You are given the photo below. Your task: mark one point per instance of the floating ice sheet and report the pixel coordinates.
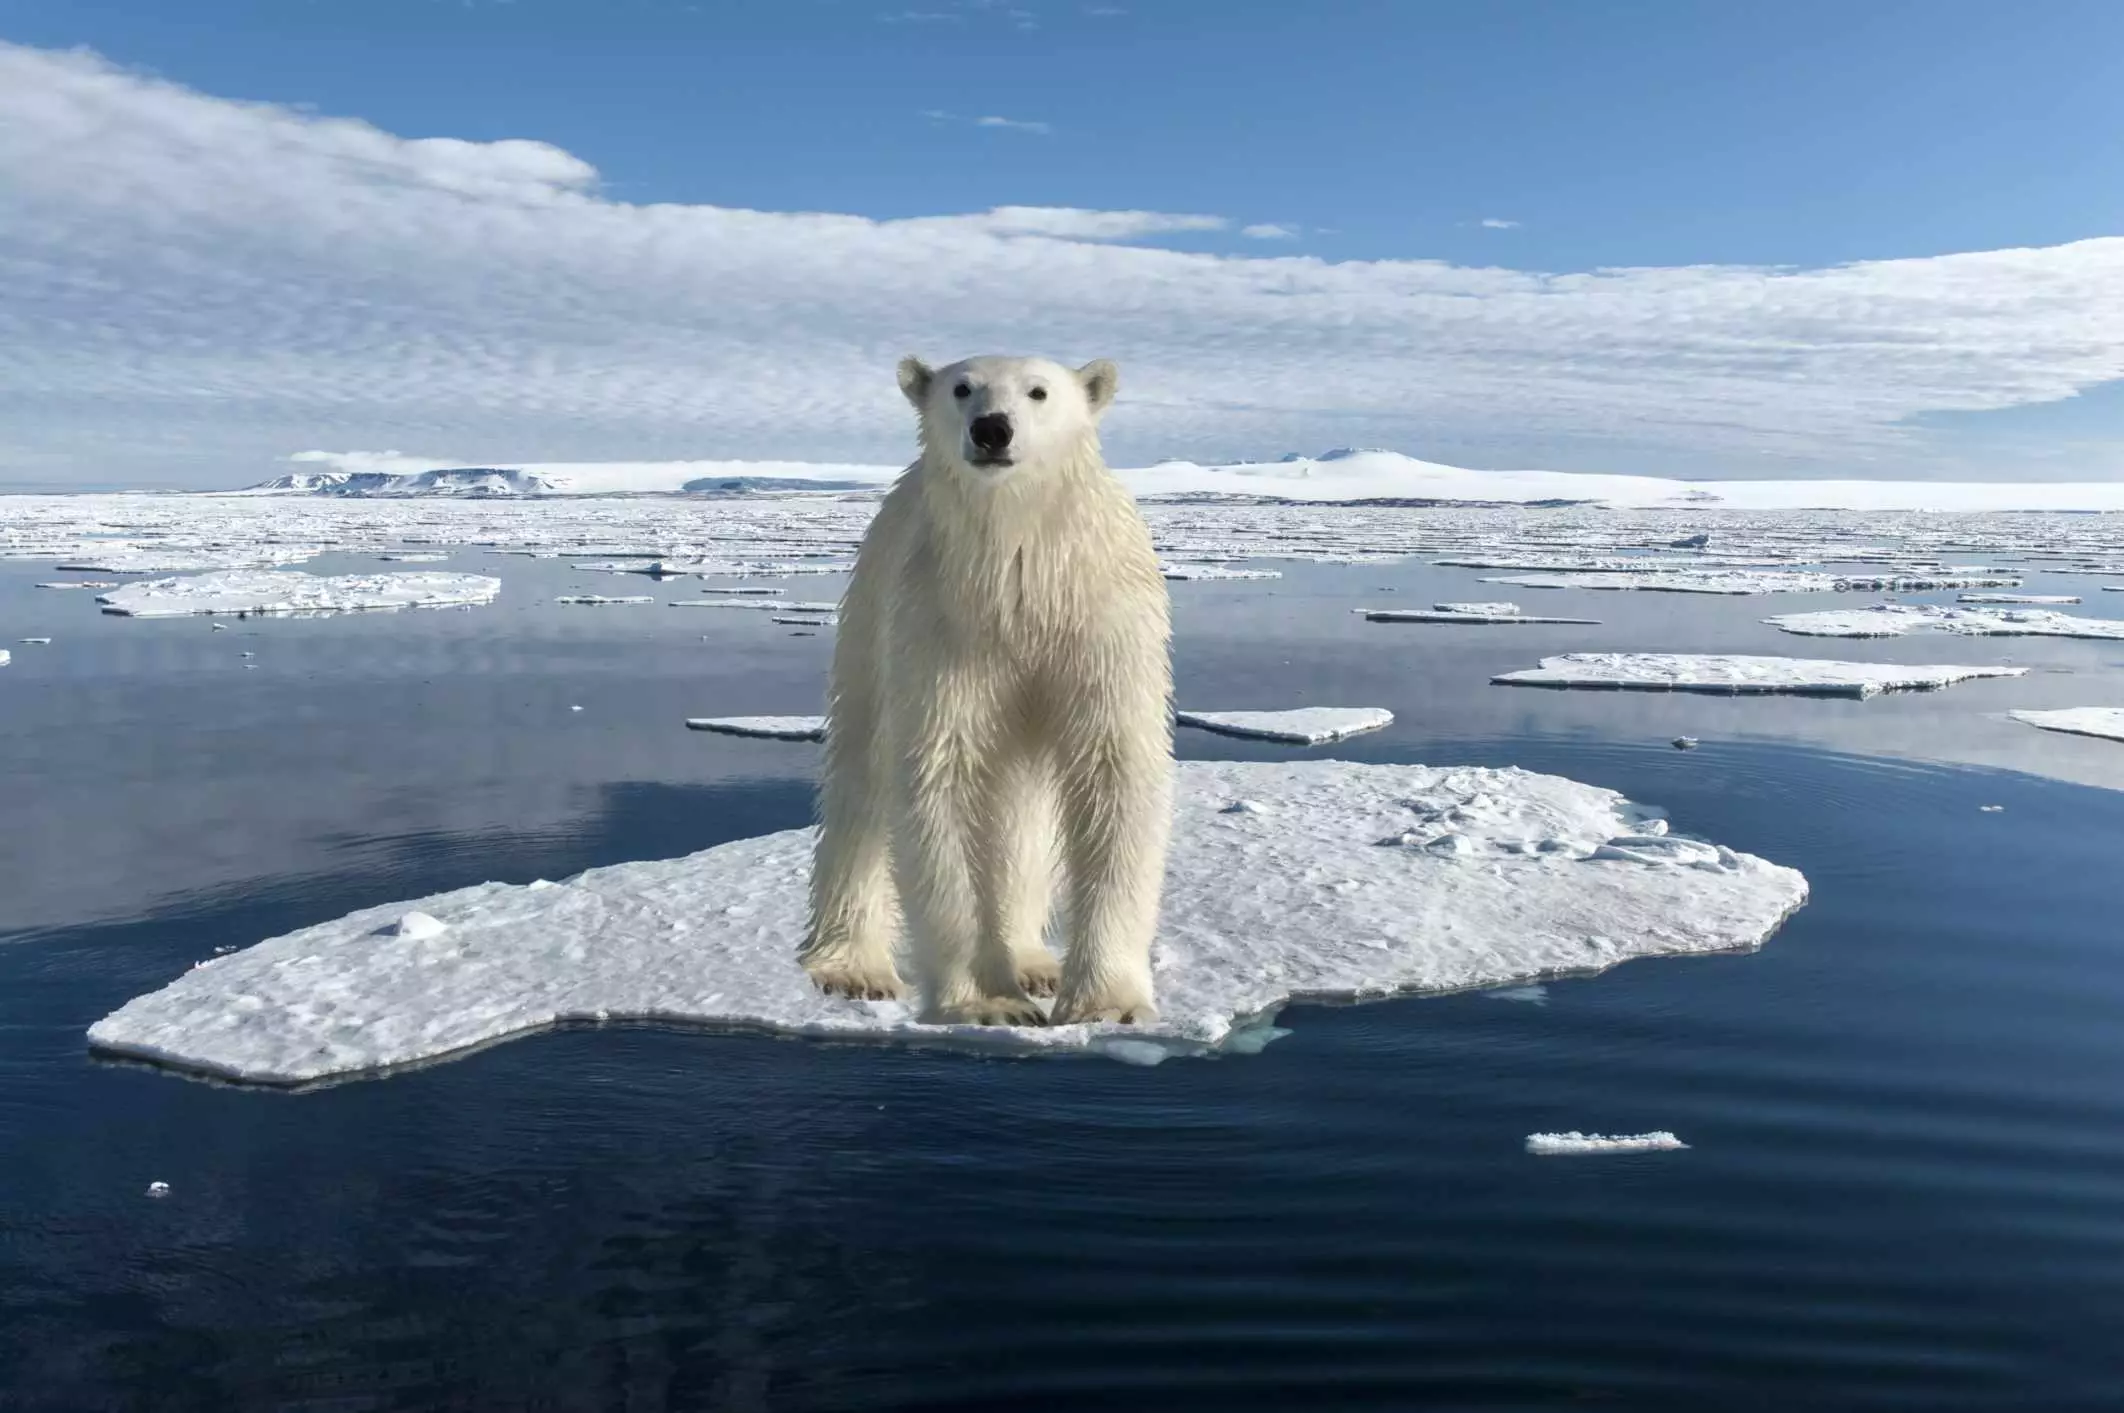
(288, 591)
(1741, 675)
(1307, 726)
(602, 600)
(2018, 598)
(1574, 1143)
(774, 728)
(1216, 571)
(1342, 885)
(1489, 613)
(2106, 722)
(1894, 620)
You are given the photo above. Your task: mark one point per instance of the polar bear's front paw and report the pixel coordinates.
(1039, 974)
(1094, 1010)
(990, 1010)
(857, 981)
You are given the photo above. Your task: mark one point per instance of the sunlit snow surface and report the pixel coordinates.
(270, 591)
(1741, 675)
(1345, 880)
(2105, 722)
(1305, 726)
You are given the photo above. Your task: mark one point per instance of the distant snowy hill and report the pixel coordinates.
(1348, 476)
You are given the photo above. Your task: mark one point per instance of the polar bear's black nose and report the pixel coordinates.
(990, 432)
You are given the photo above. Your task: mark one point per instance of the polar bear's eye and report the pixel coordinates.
(1038, 394)
(962, 390)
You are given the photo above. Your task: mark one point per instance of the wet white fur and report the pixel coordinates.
(1000, 704)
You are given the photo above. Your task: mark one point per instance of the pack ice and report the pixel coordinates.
(1343, 880)
(1304, 726)
(1741, 675)
(773, 728)
(290, 591)
(2106, 722)
(1893, 620)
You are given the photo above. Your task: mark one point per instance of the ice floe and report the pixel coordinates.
(2106, 722)
(1490, 613)
(1298, 900)
(1308, 726)
(1894, 620)
(1576, 1144)
(1741, 675)
(1733, 581)
(775, 728)
(2018, 598)
(600, 599)
(1216, 571)
(272, 591)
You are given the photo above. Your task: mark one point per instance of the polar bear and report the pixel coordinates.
(1000, 705)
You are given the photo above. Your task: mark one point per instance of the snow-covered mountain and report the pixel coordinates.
(472, 481)
(1347, 476)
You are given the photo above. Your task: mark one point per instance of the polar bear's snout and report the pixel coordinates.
(990, 434)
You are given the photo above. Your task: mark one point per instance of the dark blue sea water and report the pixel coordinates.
(1905, 1188)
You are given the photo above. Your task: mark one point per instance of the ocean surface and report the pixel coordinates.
(1904, 1187)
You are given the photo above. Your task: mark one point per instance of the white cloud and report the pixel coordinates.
(1269, 231)
(938, 115)
(195, 288)
(1495, 223)
(1018, 123)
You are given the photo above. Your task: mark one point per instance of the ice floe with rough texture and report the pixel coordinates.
(1216, 571)
(1297, 900)
(1736, 581)
(600, 599)
(6, 657)
(1894, 620)
(763, 605)
(1306, 726)
(1574, 1143)
(774, 728)
(2105, 722)
(1492, 613)
(1741, 675)
(2018, 598)
(290, 591)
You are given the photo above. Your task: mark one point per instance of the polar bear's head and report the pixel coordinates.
(995, 417)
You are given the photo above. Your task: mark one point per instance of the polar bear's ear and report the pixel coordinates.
(1099, 379)
(914, 379)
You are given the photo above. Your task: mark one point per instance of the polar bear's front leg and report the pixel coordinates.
(1015, 874)
(967, 972)
(854, 917)
(1117, 801)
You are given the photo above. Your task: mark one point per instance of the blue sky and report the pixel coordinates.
(1548, 138)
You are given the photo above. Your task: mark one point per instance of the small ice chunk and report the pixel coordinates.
(1307, 726)
(1991, 809)
(773, 728)
(158, 1189)
(575, 708)
(1741, 675)
(1244, 807)
(418, 925)
(1215, 571)
(1685, 743)
(1550, 1145)
(36, 640)
(2018, 598)
(601, 599)
(1445, 613)
(6, 657)
(2105, 722)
